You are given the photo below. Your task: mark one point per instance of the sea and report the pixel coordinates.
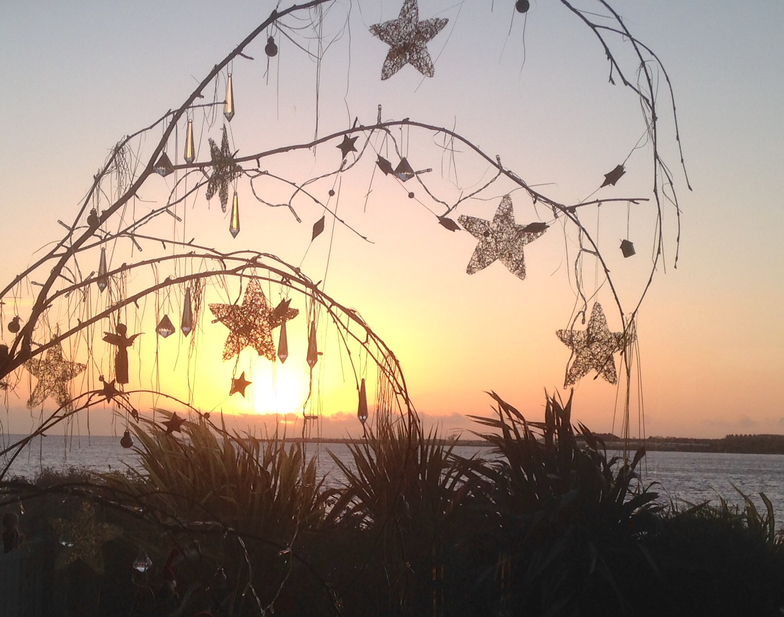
(680, 478)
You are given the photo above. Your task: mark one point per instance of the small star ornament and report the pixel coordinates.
(500, 238)
(53, 372)
(251, 323)
(83, 537)
(238, 384)
(224, 171)
(347, 145)
(592, 348)
(174, 424)
(407, 38)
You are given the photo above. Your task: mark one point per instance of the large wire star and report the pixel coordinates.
(592, 348)
(500, 238)
(224, 171)
(251, 323)
(407, 38)
(53, 372)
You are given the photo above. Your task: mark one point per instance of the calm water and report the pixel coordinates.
(683, 476)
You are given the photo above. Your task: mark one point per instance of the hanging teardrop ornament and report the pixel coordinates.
(312, 347)
(127, 440)
(190, 152)
(228, 108)
(186, 325)
(283, 344)
(103, 279)
(142, 563)
(234, 223)
(271, 49)
(362, 410)
(165, 328)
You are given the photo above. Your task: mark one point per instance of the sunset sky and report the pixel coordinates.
(77, 77)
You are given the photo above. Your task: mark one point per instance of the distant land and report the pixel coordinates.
(738, 444)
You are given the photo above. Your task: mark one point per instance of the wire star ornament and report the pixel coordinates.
(53, 372)
(500, 238)
(592, 348)
(224, 170)
(83, 537)
(238, 384)
(407, 38)
(251, 323)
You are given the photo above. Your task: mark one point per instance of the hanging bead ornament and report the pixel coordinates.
(522, 6)
(190, 152)
(165, 328)
(103, 279)
(627, 248)
(228, 108)
(127, 440)
(142, 563)
(13, 326)
(313, 352)
(271, 49)
(234, 223)
(362, 409)
(283, 344)
(186, 325)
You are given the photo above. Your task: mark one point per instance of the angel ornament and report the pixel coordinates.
(123, 342)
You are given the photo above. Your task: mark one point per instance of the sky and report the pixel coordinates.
(532, 90)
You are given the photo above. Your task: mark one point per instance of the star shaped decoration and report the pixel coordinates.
(239, 384)
(407, 38)
(83, 537)
(174, 424)
(347, 145)
(251, 324)
(592, 348)
(224, 171)
(53, 372)
(500, 238)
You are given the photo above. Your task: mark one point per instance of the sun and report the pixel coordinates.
(278, 388)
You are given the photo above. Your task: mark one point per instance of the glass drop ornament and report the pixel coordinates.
(13, 326)
(283, 344)
(228, 108)
(165, 328)
(103, 279)
(271, 49)
(362, 409)
(234, 223)
(127, 440)
(164, 165)
(522, 6)
(312, 347)
(190, 152)
(142, 563)
(186, 325)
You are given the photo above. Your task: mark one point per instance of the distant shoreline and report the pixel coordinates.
(731, 444)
